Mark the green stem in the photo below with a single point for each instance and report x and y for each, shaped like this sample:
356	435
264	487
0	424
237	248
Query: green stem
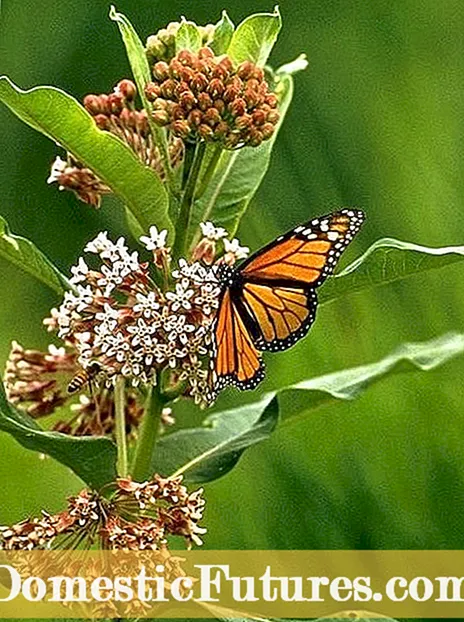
120	426
188	198
149	432
210	170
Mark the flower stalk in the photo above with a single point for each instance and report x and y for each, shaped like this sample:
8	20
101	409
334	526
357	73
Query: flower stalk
149	433
210	170
120	426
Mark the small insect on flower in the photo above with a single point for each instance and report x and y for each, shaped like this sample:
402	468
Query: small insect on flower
83	377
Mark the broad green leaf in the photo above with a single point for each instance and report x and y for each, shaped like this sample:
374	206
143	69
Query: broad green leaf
141	71
188	37
204	454
64	120
388	260
367	616
254	38
239	175
92	459
26	256
222	37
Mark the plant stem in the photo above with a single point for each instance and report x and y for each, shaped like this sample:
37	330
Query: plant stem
120	426
187	201
210	170
149	432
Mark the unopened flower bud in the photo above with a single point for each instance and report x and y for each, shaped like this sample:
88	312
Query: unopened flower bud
92	104
102	121
272	116
195	117
199	83
252	98
205	131
160	117
219	105
237	107
152	91
245	70
231	140
267	130
104	103
168	88
187	100
221	130
230	93
258	74
216	88
205	53
255	138
161	71
185	57
205	251
116	103
243	122
181	128
175	68
212	117
271	100
127	89
259	117
204	101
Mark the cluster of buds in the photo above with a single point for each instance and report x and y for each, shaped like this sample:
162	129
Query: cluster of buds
115	113
204	97
37	382
137	516
162	45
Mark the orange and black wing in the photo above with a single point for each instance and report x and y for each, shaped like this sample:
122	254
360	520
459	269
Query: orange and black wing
275	292
237	360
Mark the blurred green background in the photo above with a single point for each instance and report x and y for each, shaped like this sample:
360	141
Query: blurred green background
377	121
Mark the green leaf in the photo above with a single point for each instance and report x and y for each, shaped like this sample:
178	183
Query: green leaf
222	37
388	260
188	37
366	616
254	38
204	454
26	256
93	459
239	175
64	120
134	47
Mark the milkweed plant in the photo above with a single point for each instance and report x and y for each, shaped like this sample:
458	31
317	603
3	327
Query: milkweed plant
184	144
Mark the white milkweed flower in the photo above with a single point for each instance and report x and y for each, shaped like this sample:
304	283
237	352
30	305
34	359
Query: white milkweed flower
211	232
156	240
233	247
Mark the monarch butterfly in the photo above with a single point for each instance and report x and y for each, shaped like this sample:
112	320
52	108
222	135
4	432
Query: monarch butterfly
269	302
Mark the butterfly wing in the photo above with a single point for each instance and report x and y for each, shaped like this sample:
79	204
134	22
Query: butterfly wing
277	295
237	360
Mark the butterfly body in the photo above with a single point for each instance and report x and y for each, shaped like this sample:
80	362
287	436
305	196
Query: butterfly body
269	302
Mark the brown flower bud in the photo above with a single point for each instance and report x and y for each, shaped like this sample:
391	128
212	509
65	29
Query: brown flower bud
187	100
205	251
185	57
219	105
116	103
267	130
212	117
272	116
236	82
221	129
199	83
127	89
181	128
175	68
102	121
258	74
244	122
252	98
161	71
245	70
168	88
252	84
259	116
186	74
216	88
220	72
105	107
204	101
195	117
160	104
237	107
141	121
231	140
92	104
152	91
205	53
160	117
205	131
177	112
255	137
271	100
230	93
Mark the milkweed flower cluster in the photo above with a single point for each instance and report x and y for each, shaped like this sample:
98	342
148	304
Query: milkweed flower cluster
117	114
204	97
136	516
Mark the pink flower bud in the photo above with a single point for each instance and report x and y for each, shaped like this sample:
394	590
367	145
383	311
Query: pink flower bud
127	89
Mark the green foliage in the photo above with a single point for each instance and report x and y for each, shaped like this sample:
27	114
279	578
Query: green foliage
254	38
204	454
223	32
188	37
61	118
386	261
93	459
27	257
